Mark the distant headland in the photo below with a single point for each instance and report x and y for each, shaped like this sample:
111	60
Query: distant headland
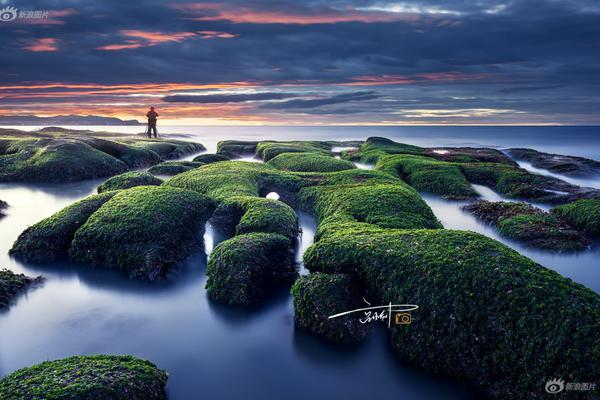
65	120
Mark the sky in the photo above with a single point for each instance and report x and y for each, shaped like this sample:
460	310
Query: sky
298	62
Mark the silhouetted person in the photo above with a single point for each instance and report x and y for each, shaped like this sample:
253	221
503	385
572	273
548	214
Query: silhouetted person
152	115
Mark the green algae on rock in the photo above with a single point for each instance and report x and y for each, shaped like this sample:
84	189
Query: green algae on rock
486	314
55	160
11	285
63	155
225	179
367	197
528	224
210	158
309	162
87	378
317	296
236	148
133	156
129	180
583	214
144	231
49	240
167	149
246	214
271	149
174	167
428	175
244	269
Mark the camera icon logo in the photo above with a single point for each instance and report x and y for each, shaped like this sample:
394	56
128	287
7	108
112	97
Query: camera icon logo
403	319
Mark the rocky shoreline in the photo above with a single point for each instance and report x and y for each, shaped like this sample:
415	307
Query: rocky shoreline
484	309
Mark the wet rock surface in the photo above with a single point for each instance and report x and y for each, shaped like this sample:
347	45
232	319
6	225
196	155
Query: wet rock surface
59	155
11	285
557	163
530	225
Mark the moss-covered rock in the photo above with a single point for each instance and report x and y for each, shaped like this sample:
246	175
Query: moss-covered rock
375	147
268	150
129	180
371	198
168	149
486	314
496	211
144	231
428	175
236	148
318	296
584	215
55	160
133	156
557	163
246	214
211	158
528	224
49	240
66	157
174	167
309	162
223	180
543	231
11	285
469	154
87	378
244	269
518	183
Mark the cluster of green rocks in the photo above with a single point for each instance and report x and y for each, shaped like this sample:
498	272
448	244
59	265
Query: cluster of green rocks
564	228
448	172
486	314
61	155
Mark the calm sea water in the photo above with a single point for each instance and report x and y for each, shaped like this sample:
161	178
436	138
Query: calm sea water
212	351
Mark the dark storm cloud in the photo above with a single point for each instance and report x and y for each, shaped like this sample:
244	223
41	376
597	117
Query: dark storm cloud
226	98
505	54
313	103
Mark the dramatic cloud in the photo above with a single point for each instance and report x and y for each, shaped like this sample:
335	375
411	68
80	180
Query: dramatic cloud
312	103
226	98
301	61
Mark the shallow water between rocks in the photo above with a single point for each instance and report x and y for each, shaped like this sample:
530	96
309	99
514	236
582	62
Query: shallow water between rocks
211	351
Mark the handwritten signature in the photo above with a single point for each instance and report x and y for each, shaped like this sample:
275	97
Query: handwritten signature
382	313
